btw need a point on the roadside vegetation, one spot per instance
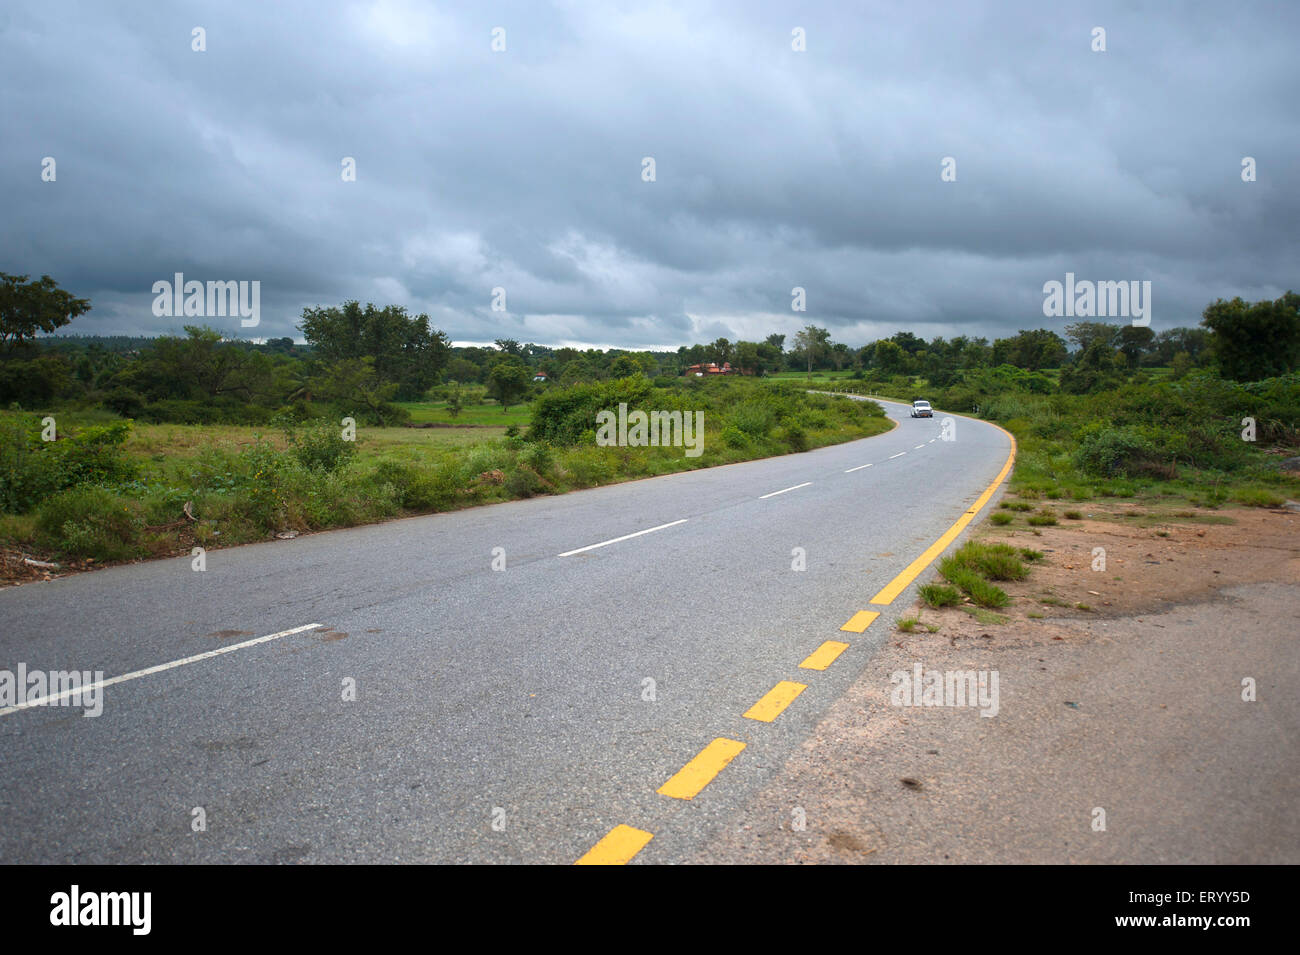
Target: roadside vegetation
(115, 448)
(102, 492)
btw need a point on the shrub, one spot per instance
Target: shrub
(320, 446)
(754, 418)
(733, 437)
(539, 456)
(563, 416)
(795, 438)
(1119, 452)
(523, 482)
(31, 469)
(91, 522)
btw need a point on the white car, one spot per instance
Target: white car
(922, 409)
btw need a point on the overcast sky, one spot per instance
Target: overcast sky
(774, 168)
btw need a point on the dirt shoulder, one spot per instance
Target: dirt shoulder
(1133, 707)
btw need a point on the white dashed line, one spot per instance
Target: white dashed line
(136, 674)
(918, 447)
(625, 537)
(858, 468)
(762, 497)
(898, 455)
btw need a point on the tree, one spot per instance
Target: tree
(747, 358)
(508, 381)
(812, 342)
(353, 382)
(889, 357)
(720, 351)
(909, 342)
(625, 366)
(1135, 342)
(1031, 350)
(462, 369)
(1255, 341)
(1086, 334)
(454, 402)
(29, 307)
(405, 350)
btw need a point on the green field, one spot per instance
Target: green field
(489, 414)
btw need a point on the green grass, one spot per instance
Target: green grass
(976, 563)
(986, 616)
(1043, 518)
(908, 624)
(435, 412)
(937, 595)
(1257, 497)
(1001, 519)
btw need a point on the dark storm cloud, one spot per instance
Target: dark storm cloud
(775, 168)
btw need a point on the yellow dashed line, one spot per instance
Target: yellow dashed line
(914, 569)
(775, 701)
(699, 772)
(618, 847)
(824, 655)
(859, 622)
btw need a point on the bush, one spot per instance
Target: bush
(31, 469)
(563, 416)
(1126, 451)
(733, 437)
(755, 418)
(539, 456)
(523, 481)
(91, 522)
(320, 446)
(795, 438)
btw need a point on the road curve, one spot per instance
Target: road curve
(499, 715)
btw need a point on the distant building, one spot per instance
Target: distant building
(540, 376)
(710, 368)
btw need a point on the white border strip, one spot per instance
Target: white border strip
(625, 537)
(763, 497)
(135, 675)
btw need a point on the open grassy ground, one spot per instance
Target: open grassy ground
(491, 414)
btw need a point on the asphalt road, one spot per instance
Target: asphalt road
(499, 715)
